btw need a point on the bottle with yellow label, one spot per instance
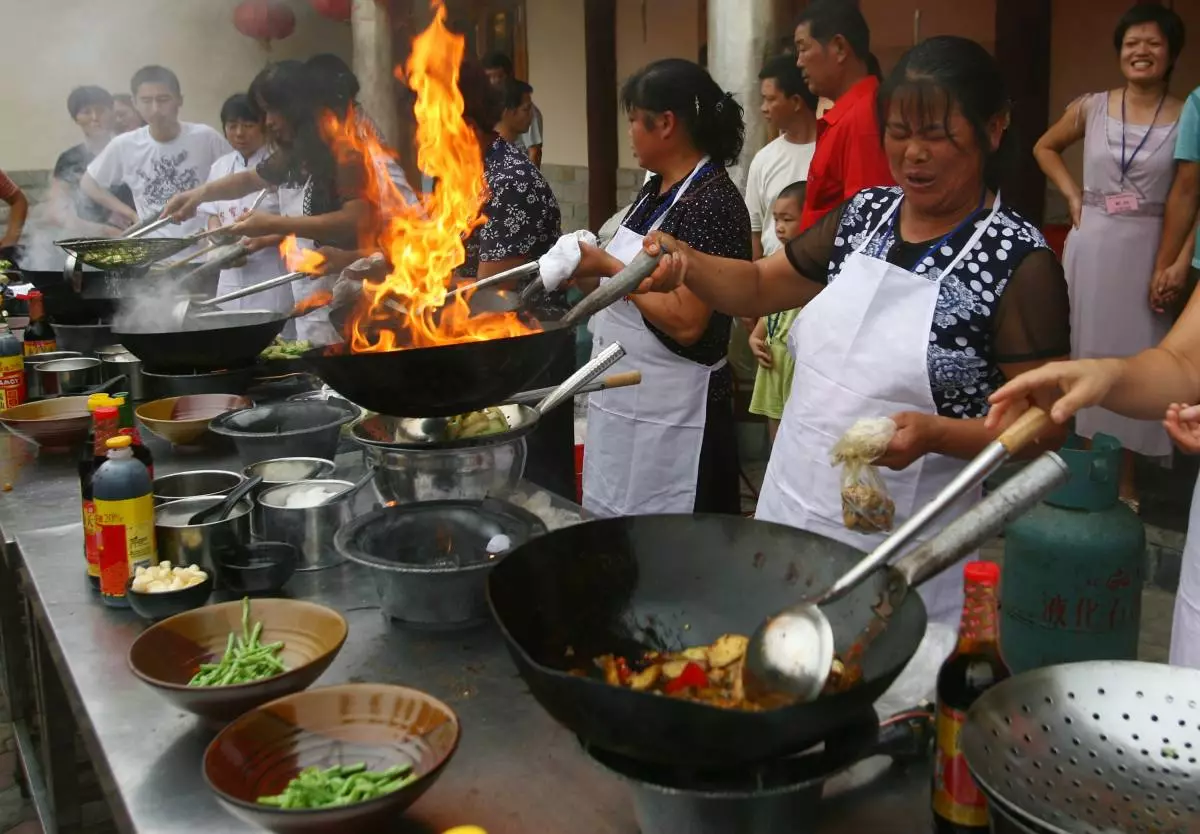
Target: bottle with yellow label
(12, 369)
(124, 499)
(39, 335)
(975, 666)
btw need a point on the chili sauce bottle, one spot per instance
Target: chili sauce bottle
(39, 335)
(105, 424)
(124, 498)
(12, 369)
(129, 427)
(974, 667)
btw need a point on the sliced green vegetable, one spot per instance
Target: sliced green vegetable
(339, 785)
(245, 660)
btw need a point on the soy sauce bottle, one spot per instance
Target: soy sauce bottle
(124, 499)
(39, 335)
(105, 424)
(973, 668)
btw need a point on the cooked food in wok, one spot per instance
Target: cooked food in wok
(708, 674)
(490, 420)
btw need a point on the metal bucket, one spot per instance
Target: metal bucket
(309, 529)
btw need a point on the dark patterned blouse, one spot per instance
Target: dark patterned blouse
(1005, 302)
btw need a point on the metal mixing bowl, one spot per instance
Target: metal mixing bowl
(406, 476)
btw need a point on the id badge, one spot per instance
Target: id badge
(1121, 203)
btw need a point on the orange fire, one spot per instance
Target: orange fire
(424, 242)
(300, 260)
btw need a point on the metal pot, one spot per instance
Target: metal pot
(288, 471)
(431, 560)
(84, 338)
(32, 382)
(197, 483)
(284, 430)
(118, 364)
(161, 386)
(408, 476)
(184, 544)
(310, 530)
(64, 377)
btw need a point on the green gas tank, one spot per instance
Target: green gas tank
(1071, 588)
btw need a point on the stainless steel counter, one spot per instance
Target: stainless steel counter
(515, 772)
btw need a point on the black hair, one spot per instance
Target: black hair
(513, 93)
(789, 79)
(123, 98)
(88, 96)
(827, 19)
(286, 87)
(155, 74)
(239, 107)
(500, 61)
(334, 84)
(794, 191)
(945, 71)
(1167, 21)
(482, 100)
(710, 115)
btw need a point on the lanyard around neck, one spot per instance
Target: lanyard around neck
(1127, 164)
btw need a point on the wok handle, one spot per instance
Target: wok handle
(500, 277)
(235, 254)
(600, 363)
(153, 224)
(1026, 429)
(261, 286)
(620, 285)
(1016, 496)
(621, 380)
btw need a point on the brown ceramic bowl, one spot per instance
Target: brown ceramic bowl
(184, 420)
(377, 724)
(60, 423)
(168, 654)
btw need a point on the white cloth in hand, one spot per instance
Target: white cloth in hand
(348, 287)
(560, 263)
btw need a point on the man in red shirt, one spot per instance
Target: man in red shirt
(833, 48)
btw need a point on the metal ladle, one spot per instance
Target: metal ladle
(182, 309)
(791, 654)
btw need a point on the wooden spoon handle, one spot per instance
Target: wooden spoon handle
(1027, 428)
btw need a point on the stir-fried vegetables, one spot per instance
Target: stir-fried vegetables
(476, 424)
(245, 660)
(339, 785)
(286, 349)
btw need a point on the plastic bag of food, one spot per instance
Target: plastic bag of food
(866, 505)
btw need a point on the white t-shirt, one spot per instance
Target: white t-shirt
(157, 171)
(779, 164)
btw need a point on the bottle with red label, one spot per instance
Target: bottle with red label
(12, 369)
(124, 498)
(39, 335)
(974, 667)
(105, 424)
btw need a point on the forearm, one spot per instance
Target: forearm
(964, 439)
(747, 289)
(1052, 165)
(98, 194)
(1180, 218)
(231, 187)
(1151, 381)
(335, 225)
(681, 318)
(18, 210)
(1188, 252)
(756, 244)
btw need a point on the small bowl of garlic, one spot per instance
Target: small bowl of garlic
(164, 590)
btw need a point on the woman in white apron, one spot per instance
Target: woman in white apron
(669, 445)
(242, 123)
(918, 301)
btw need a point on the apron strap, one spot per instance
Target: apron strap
(979, 230)
(887, 215)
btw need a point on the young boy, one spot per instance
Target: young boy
(768, 342)
(156, 161)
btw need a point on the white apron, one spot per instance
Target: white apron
(314, 327)
(1185, 630)
(643, 442)
(861, 351)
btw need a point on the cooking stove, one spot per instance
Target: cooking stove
(778, 797)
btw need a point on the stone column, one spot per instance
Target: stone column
(372, 34)
(742, 34)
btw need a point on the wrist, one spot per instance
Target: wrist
(934, 432)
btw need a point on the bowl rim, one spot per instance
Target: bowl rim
(342, 687)
(173, 476)
(246, 499)
(280, 487)
(233, 687)
(220, 423)
(175, 400)
(86, 363)
(73, 399)
(323, 461)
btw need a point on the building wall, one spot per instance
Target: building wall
(53, 47)
(893, 27)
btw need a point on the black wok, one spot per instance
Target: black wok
(668, 582)
(213, 342)
(454, 379)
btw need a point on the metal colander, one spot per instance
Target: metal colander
(1092, 748)
(113, 253)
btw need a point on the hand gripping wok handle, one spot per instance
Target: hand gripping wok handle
(620, 285)
(602, 361)
(261, 286)
(1018, 495)
(145, 228)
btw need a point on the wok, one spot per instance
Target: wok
(211, 342)
(454, 379)
(666, 582)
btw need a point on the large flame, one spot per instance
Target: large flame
(300, 260)
(424, 243)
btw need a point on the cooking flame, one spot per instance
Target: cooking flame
(300, 260)
(424, 242)
(315, 301)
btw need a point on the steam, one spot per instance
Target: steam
(153, 308)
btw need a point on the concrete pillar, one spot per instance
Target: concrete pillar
(742, 34)
(372, 35)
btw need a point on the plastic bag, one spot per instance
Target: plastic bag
(866, 505)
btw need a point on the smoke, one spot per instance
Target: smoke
(154, 309)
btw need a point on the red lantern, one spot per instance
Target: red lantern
(333, 9)
(264, 20)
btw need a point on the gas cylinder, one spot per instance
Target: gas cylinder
(1071, 589)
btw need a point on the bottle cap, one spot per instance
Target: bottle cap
(107, 412)
(96, 401)
(35, 294)
(118, 400)
(982, 573)
(121, 441)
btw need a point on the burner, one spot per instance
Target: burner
(777, 797)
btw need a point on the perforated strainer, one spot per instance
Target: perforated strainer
(1092, 748)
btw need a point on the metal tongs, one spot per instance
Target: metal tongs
(186, 307)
